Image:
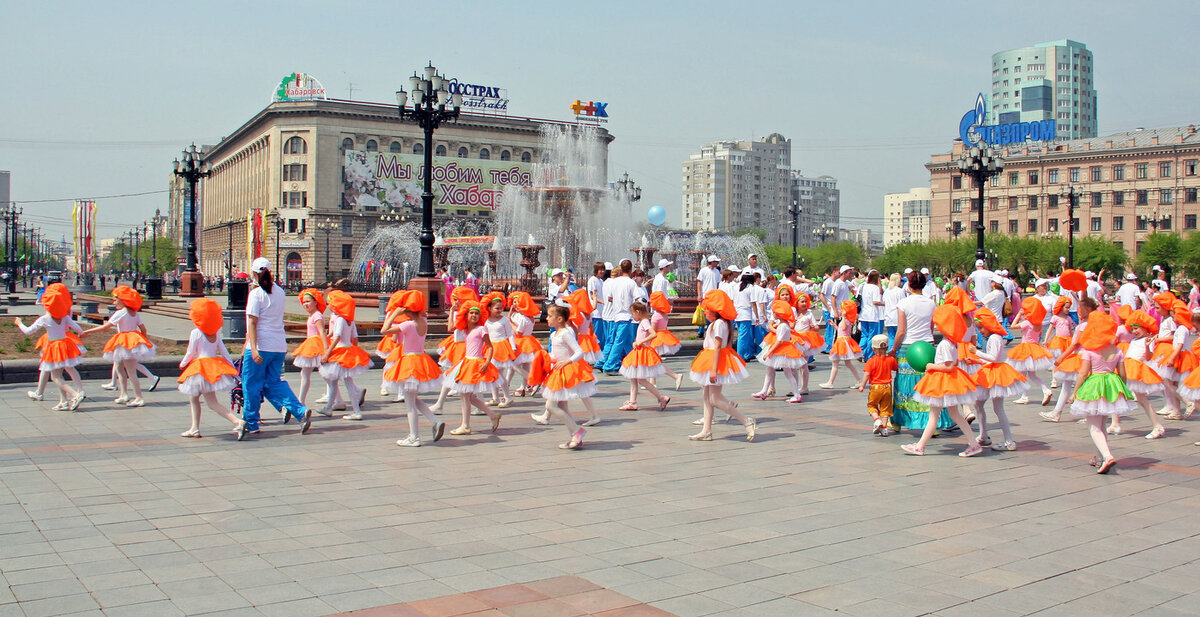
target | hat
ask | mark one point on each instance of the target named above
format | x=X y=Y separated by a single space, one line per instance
x=783 y=311
x=718 y=302
x=1143 y=319
x=747 y=271
x=1089 y=274
x=464 y=294
x=1003 y=272
x=460 y=318
x=1182 y=315
x=1100 y=331
x=129 y=296
x=490 y=297
x=608 y=265
x=260 y=264
x=979 y=263
x=1156 y=268
x=662 y=263
x=712 y=258
x=556 y=271
x=850 y=310
x=949 y=321
x=1129 y=276
x=1165 y=301
x=1040 y=282
x=57 y=300
x=414 y=301
x=522 y=302
x=581 y=301
x=341 y=303
x=844 y=269
x=1061 y=303
x=1074 y=280
x=908 y=270
x=732 y=268
x=788 y=288
x=751 y=256
x=1034 y=310
x=997 y=279
x=925 y=271
x=987 y=319
x=660 y=303
x=879 y=341
x=206 y=315
x=1159 y=284
x=318 y=298
x=959 y=299
x=1124 y=311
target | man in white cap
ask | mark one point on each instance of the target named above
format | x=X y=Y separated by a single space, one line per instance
x=595 y=287
x=1128 y=292
x=753 y=267
x=1095 y=290
x=931 y=291
x=981 y=280
x=660 y=280
x=839 y=291
x=708 y=278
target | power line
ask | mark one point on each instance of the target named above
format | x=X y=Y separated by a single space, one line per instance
x=66 y=199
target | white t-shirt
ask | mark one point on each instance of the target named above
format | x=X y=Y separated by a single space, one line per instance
x=1095 y=290
x=946 y=351
x=825 y=287
x=931 y=290
x=742 y=300
x=891 y=298
x=994 y=301
x=621 y=296
x=595 y=288
x=870 y=295
x=606 y=293
x=982 y=280
x=660 y=284
x=839 y=291
x=709 y=278
x=1128 y=294
x=269 y=311
x=918 y=315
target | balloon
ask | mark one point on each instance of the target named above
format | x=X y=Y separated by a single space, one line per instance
x=670 y=277
x=657 y=215
x=1055 y=289
x=919 y=355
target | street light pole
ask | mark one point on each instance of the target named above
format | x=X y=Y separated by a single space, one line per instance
x=192 y=169
x=327 y=227
x=795 y=212
x=1072 y=202
x=154 y=283
x=980 y=164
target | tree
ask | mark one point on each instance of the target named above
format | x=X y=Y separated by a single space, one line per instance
x=1098 y=254
x=832 y=255
x=165 y=255
x=1160 y=249
x=780 y=256
x=1191 y=255
x=761 y=234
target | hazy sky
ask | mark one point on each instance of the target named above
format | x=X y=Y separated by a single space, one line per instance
x=99 y=97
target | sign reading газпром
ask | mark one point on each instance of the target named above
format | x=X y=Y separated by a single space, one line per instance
x=973 y=132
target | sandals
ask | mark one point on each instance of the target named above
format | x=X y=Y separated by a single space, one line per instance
x=543 y=420
x=504 y=403
x=576 y=441
x=662 y=404
x=1156 y=433
x=495 y=423
x=751 y=429
x=701 y=437
x=462 y=430
x=194 y=434
x=628 y=406
x=1108 y=464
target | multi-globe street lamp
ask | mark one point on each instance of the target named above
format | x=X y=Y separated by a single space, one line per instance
x=980 y=164
x=326 y=226
x=191 y=169
x=627 y=190
x=824 y=232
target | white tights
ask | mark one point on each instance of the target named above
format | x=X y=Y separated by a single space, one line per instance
x=998 y=409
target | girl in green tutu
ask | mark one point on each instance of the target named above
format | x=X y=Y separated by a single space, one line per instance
x=1100 y=390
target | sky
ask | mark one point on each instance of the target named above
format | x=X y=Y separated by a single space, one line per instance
x=98 y=98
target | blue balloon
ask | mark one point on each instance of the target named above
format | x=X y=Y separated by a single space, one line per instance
x=657 y=215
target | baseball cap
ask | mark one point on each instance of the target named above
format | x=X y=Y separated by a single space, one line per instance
x=662 y=263
x=712 y=258
x=980 y=263
x=732 y=268
x=747 y=271
x=751 y=255
x=924 y=270
x=999 y=280
x=1156 y=268
x=608 y=265
x=1003 y=272
x=1130 y=276
x=908 y=270
x=260 y=264
x=1089 y=274
x=557 y=271
x=844 y=269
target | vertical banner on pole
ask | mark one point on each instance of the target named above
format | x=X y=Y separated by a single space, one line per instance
x=254 y=233
x=83 y=219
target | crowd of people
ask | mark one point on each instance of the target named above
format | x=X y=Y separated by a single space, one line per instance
x=1107 y=355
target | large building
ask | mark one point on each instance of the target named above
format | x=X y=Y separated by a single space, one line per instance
x=316 y=177
x=1127 y=185
x=906 y=216
x=820 y=207
x=729 y=186
x=1049 y=81
x=866 y=239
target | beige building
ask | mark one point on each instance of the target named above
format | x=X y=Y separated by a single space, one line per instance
x=1128 y=185
x=906 y=216
x=734 y=185
x=280 y=178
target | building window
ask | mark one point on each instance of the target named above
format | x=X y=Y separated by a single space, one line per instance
x=1143 y=197
x=462 y=153
x=1074 y=174
x=1189 y=221
x=505 y=155
x=346 y=251
x=1118 y=223
x=1097 y=198
x=1012 y=227
x=418 y=149
x=1014 y=178
x=1141 y=223
x=1165 y=223
x=956 y=182
x=1118 y=198
x=1143 y=171
x=1013 y=203
x=994 y=226
x=1164 y=169
x=1051 y=225
x=1118 y=172
x=295 y=145
x=372 y=145
x=1033 y=177
x=1095 y=223
x=485 y=154
x=1033 y=226
x=347 y=227
x=439 y=151
x=394 y=147
x=526 y=157
x=994 y=203
x=1189 y=195
x=1096 y=173
x=995 y=181
x=956 y=206
x=295 y=173
x=347 y=144
x=1052 y=201
x=1166 y=196
x=295 y=199
x=1189 y=168
x=1052 y=176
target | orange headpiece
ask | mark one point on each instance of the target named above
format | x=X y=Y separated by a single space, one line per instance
x=341 y=303
x=788 y=288
x=718 y=302
x=414 y=301
x=1100 y=331
x=1165 y=301
x=1138 y=318
x=959 y=299
x=57 y=301
x=1061 y=304
x=783 y=311
x=206 y=314
x=1182 y=314
x=1073 y=280
x=492 y=297
x=1034 y=310
x=850 y=310
x=660 y=303
x=395 y=301
x=316 y=296
x=522 y=302
x=987 y=319
x=460 y=319
x=581 y=301
x=129 y=296
x=464 y=294
x=949 y=321
x=1124 y=312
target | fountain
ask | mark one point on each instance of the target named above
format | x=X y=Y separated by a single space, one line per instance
x=530 y=282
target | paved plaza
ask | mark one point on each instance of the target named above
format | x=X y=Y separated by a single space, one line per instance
x=108 y=512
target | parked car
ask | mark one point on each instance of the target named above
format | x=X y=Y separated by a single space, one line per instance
x=54 y=276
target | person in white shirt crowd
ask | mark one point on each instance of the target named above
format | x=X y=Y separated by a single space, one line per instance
x=891 y=298
x=871 y=317
x=639 y=290
x=620 y=297
x=839 y=291
x=994 y=301
x=1129 y=294
x=761 y=300
x=980 y=281
x=744 y=296
x=607 y=313
x=830 y=321
x=557 y=287
x=931 y=290
x=708 y=278
x=1095 y=290
x=753 y=267
x=660 y=280
x=595 y=288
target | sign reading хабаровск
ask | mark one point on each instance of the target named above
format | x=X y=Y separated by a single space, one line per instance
x=973 y=132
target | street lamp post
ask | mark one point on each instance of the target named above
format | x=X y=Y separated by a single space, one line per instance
x=954 y=229
x=980 y=164
x=278 y=232
x=192 y=169
x=154 y=284
x=795 y=211
x=326 y=226
x=627 y=190
x=430 y=98
x=824 y=232
x=137 y=259
x=1072 y=203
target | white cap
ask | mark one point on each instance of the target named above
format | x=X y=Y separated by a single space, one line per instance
x=1156 y=268
x=712 y=258
x=662 y=263
x=556 y=271
x=732 y=268
x=1159 y=284
x=1089 y=274
x=999 y=280
x=908 y=270
x=260 y=264
x=979 y=263
x=924 y=270
x=751 y=255
x=1004 y=272
x=747 y=271
x=608 y=265
x=1129 y=276
x=1041 y=282
x=844 y=269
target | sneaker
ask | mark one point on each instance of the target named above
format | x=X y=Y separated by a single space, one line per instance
x=305 y=421
x=137 y=402
x=539 y=419
x=913 y=449
x=885 y=431
x=878 y=426
x=1007 y=446
x=974 y=450
x=107 y=386
x=439 y=429
x=352 y=416
x=155 y=384
x=412 y=441
x=34 y=395
x=121 y=400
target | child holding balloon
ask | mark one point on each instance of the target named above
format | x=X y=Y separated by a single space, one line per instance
x=945 y=384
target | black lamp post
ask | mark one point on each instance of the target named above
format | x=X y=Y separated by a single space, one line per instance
x=326 y=226
x=954 y=229
x=154 y=284
x=1072 y=203
x=192 y=169
x=627 y=190
x=795 y=211
x=11 y=215
x=824 y=232
x=278 y=232
x=980 y=164
x=430 y=99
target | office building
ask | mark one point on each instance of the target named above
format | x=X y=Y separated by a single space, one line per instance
x=820 y=206
x=729 y=186
x=906 y=216
x=1048 y=81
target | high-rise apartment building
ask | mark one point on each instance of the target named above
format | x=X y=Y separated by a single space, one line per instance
x=1049 y=81
x=820 y=206
x=906 y=216
x=733 y=185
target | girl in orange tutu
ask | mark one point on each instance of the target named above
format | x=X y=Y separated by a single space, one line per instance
x=71 y=371
x=307 y=357
x=718 y=365
x=345 y=360
x=391 y=347
x=580 y=318
x=1028 y=356
x=60 y=352
x=807 y=334
x=581 y=301
x=1058 y=335
x=474 y=374
x=1066 y=368
x=504 y=346
x=787 y=295
x=845 y=348
x=522 y=314
x=945 y=385
x=996 y=380
x=665 y=342
x=129 y=346
x=414 y=371
x=1189 y=385
x=642 y=363
x=782 y=352
x=1172 y=357
x=570 y=377
x=207 y=367
x=450 y=349
x=1141 y=378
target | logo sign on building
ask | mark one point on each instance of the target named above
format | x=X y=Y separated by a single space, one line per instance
x=381 y=180
x=591 y=111
x=973 y=132
x=479 y=97
x=299 y=87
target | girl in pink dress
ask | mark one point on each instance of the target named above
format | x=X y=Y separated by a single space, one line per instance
x=642 y=363
x=414 y=371
x=845 y=349
x=307 y=357
x=1100 y=389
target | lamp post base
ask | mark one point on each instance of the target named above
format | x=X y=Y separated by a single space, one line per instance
x=434 y=290
x=191 y=285
x=154 y=287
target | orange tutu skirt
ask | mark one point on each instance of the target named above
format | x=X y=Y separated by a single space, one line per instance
x=1189 y=387
x=60 y=353
x=999 y=380
x=473 y=375
x=539 y=369
x=809 y=338
x=503 y=354
x=665 y=343
x=968 y=358
x=1068 y=368
x=308 y=353
x=208 y=375
x=642 y=363
x=788 y=355
x=1185 y=362
x=128 y=346
x=452 y=353
x=845 y=348
x=1162 y=349
x=1058 y=345
x=1141 y=378
x=1030 y=358
x=527 y=348
x=723 y=363
x=591 y=348
x=71 y=336
x=946 y=389
x=385 y=346
x=413 y=372
x=572 y=381
x=346 y=362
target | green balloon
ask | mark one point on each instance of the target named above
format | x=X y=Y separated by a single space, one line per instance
x=1055 y=289
x=671 y=276
x=919 y=355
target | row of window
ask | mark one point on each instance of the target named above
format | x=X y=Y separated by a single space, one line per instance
x=1095 y=198
x=419 y=148
x=1097 y=224
x=1095 y=172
